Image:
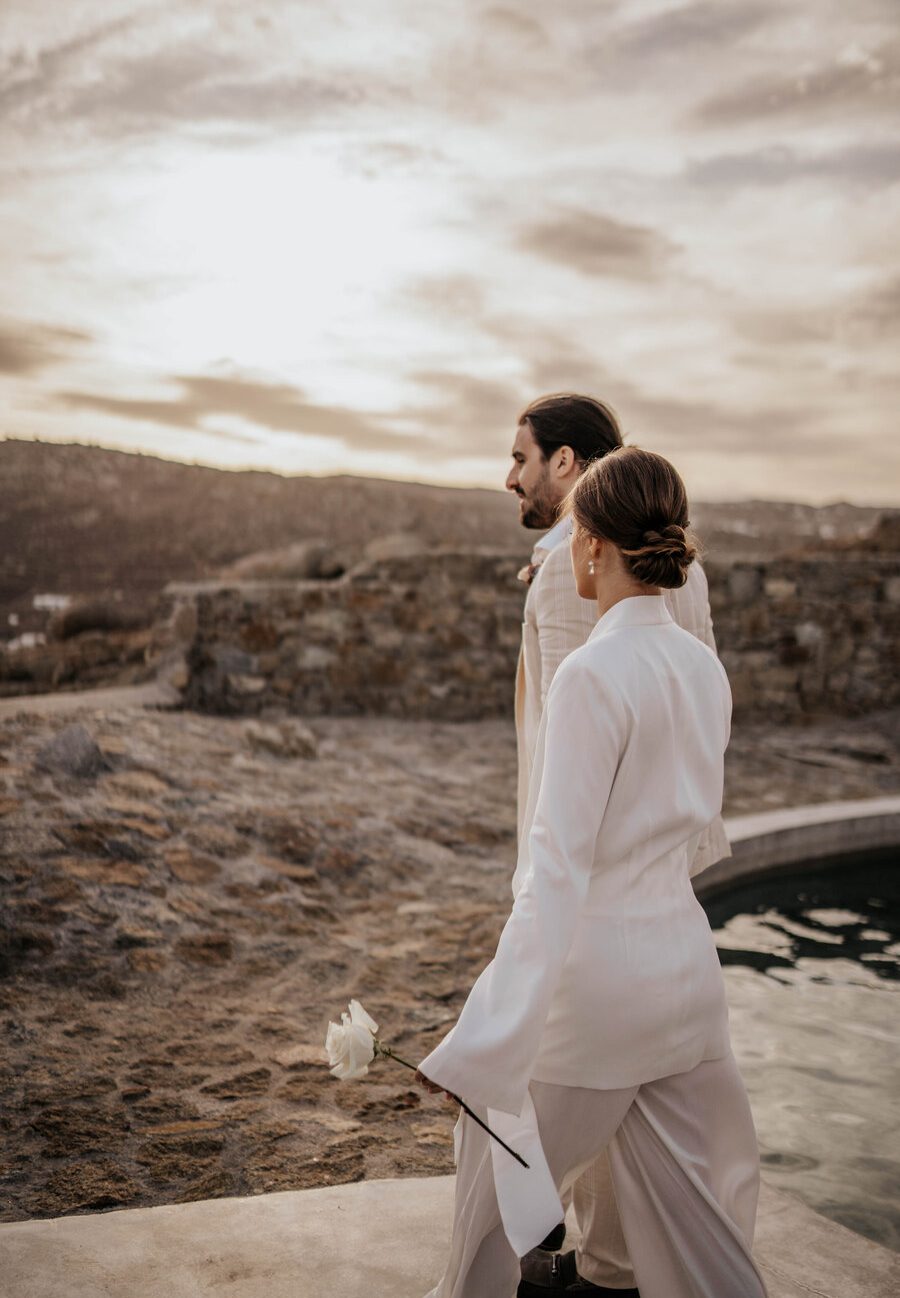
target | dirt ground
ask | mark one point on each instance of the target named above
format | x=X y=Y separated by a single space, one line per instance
x=180 y=925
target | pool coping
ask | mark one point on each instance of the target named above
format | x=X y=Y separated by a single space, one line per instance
x=794 y=838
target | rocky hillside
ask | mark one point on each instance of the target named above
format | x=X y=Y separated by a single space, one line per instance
x=82 y=520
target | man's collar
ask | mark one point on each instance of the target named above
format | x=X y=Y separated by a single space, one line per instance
x=560 y=532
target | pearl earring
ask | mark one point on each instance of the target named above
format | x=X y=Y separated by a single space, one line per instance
x=591 y=566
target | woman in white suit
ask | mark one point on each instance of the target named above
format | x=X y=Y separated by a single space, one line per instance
x=601 y=1021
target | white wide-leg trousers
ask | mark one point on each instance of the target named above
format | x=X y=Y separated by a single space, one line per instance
x=685 y=1170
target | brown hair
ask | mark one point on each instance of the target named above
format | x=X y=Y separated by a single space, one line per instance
x=637 y=500
x=566 y=419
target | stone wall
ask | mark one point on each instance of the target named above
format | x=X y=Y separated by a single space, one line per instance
x=437 y=635
x=809 y=636
x=86 y=661
x=426 y=636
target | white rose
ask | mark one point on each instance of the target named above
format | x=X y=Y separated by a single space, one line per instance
x=351 y=1044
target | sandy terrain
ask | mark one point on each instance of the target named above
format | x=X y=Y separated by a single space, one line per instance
x=180 y=926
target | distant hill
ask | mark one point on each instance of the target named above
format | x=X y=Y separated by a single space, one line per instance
x=83 y=520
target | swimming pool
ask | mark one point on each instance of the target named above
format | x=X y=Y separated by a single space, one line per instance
x=812 y=964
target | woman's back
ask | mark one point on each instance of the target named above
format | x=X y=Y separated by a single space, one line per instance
x=648 y=702
x=673 y=698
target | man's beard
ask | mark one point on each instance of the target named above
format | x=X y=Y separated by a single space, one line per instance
x=540 y=508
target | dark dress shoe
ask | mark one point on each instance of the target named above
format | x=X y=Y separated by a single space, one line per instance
x=555 y=1239
x=543 y=1272
x=543 y=1276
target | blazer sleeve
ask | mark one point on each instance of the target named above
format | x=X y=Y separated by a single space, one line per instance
x=689 y=605
x=564 y=620
x=488 y=1056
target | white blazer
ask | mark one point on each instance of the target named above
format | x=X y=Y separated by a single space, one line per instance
x=606 y=973
x=556 y=622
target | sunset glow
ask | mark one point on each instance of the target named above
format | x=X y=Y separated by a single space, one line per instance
x=290 y=237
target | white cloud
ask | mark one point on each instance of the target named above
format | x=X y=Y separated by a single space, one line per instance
x=379 y=240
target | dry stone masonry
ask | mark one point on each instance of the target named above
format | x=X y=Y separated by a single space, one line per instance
x=809 y=636
x=437 y=636
x=430 y=636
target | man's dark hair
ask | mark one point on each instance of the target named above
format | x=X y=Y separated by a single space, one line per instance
x=566 y=419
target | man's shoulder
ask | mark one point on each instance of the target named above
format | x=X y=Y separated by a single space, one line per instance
x=689 y=604
x=555 y=573
x=696 y=575
x=556 y=598
x=696 y=585
x=558 y=560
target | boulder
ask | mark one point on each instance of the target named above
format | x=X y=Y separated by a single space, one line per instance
x=98 y=615
x=397 y=545
x=71 y=752
x=300 y=561
x=286 y=738
x=885 y=535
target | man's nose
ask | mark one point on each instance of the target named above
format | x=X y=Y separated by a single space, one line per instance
x=512 y=479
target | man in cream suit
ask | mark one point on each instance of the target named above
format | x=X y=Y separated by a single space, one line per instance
x=556 y=438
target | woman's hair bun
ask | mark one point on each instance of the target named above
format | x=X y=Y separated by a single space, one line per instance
x=663 y=556
x=637 y=500
x=668 y=539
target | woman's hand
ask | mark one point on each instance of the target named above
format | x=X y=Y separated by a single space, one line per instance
x=433 y=1088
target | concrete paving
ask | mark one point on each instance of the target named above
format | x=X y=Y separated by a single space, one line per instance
x=374 y=1239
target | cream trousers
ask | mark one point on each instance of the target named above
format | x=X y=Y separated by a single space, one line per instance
x=602 y=1254
x=684 y=1168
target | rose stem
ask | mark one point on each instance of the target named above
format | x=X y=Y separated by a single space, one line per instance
x=389 y=1054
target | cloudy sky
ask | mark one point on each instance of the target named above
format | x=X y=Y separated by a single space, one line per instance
x=322 y=237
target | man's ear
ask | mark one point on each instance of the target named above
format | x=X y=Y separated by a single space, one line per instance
x=565 y=459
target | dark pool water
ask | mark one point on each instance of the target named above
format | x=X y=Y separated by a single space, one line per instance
x=812 y=964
